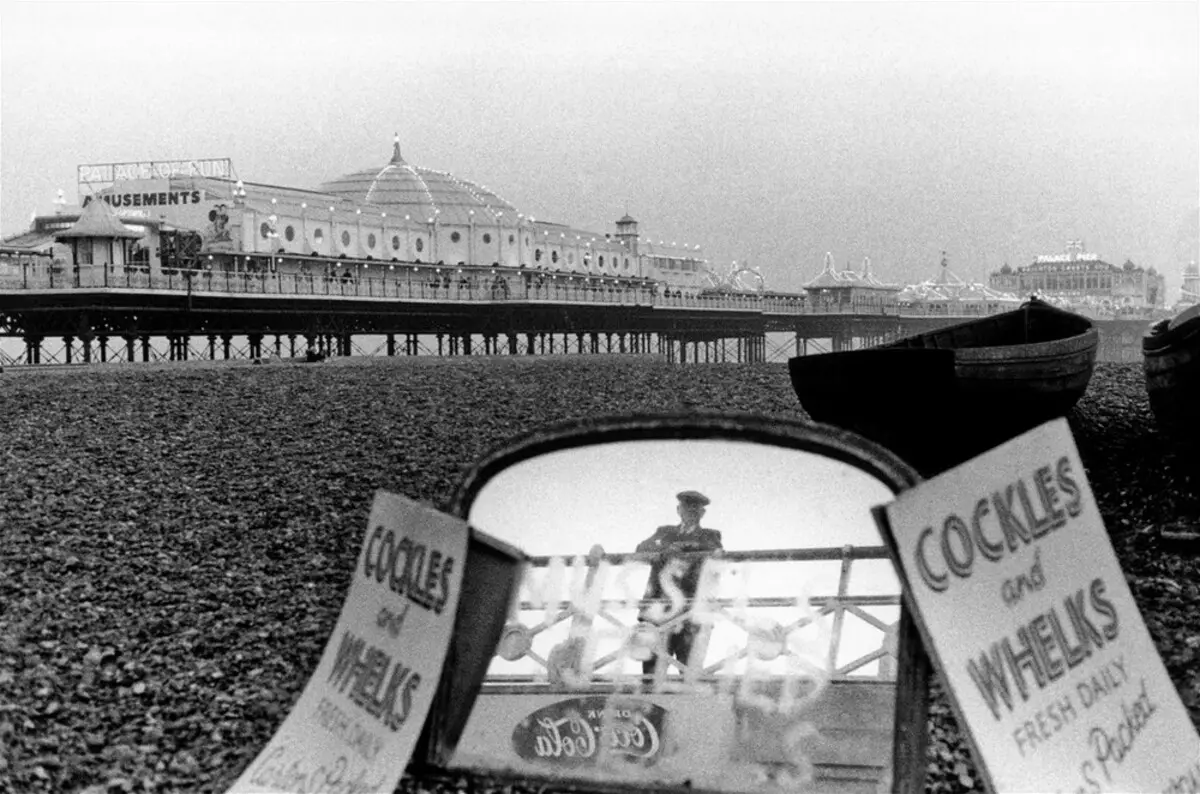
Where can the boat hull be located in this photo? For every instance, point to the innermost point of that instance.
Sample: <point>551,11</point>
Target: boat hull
<point>940,398</point>
<point>1172,368</point>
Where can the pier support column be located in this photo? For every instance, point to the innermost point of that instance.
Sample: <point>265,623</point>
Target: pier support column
<point>103,344</point>
<point>621,343</point>
<point>391,345</point>
<point>529,344</point>
<point>212,347</point>
<point>255,345</point>
<point>291,345</point>
<point>278,346</point>
<point>33,350</point>
<point>226,340</point>
<point>67,342</point>
<point>129,354</point>
<point>439,338</point>
<point>85,345</point>
<point>145,338</point>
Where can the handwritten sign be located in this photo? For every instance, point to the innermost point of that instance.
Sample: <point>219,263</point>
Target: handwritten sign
<point>355,726</point>
<point>1023,604</point>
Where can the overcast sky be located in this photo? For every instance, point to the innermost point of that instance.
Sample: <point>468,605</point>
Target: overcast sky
<point>768,133</point>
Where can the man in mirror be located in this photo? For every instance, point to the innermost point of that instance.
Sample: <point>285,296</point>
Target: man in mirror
<point>679,552</point>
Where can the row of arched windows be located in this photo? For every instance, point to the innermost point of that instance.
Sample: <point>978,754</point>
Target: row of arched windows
<point>318,235</point>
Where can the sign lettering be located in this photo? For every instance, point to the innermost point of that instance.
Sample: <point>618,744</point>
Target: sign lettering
<point>356,724</point>
<point>159,199</point>
<point>105,173</point>
<point>583,731</point>
<point>1023,604</point>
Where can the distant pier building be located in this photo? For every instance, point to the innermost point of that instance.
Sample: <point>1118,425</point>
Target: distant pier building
<point>1084,282</point>
<point>836,290</point>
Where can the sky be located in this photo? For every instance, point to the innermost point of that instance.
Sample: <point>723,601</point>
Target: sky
<point>768,133</point>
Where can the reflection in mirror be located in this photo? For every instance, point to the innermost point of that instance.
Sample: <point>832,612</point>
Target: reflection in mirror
<point>712,613</point>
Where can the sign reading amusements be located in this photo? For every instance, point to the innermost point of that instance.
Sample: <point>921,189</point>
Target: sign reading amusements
<point>356,724</point>
<point>1023,604</point>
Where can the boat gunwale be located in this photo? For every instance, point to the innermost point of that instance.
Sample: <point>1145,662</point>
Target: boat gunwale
<point>1081,343</point>
<point>1172,341</point>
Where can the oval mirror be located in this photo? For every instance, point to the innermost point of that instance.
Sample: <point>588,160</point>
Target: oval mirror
<point>707,604</point>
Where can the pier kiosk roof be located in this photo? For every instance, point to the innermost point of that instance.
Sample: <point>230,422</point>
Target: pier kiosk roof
<point>98,220</point>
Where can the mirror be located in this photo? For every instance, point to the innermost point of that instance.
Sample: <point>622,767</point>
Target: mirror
<point>706,604</point>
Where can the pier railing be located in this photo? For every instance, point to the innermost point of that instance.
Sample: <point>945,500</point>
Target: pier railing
<point>574,629</point>
<point>448,285</point>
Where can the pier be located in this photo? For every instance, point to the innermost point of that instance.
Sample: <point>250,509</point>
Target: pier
<point>96,315</point>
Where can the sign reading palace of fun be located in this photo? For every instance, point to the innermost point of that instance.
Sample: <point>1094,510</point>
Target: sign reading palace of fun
<point>1024,606</point>
<point>354,728</point>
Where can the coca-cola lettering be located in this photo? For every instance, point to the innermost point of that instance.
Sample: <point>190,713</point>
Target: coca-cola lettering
<point>579,731</point>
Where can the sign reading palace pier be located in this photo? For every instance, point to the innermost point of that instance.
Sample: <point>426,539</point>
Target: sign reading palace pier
<point>108,173</point>
<point>1023,602</point>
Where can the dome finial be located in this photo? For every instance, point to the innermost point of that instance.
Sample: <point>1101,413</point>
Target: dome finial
<point>396,158</point>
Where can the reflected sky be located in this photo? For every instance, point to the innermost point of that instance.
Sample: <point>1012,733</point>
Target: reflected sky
<point>617,494</point>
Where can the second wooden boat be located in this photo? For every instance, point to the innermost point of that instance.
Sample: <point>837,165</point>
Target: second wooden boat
<point>1172,364</point>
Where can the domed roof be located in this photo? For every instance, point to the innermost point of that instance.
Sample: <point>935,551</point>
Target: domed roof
<point>421,193</point>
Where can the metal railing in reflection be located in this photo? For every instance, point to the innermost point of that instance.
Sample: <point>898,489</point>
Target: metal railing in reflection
<point>595,633</point>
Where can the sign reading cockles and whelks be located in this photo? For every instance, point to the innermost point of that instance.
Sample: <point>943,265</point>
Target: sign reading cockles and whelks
<point>1024,608</point>
<point>358,720</point>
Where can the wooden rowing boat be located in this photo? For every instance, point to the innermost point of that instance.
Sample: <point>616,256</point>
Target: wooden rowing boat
<point>944,396</point>
<point>1172,363</point>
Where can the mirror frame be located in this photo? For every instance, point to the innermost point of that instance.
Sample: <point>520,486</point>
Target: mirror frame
<point>913,669</point>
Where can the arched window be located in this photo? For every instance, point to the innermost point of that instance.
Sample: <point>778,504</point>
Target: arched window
<point>420,244</point>
<point>345,238</point>
<point>371,241</point>
<point>554,256</point>
<point>455,237</point>
<point>395,242</point>
<point>537,255</point>
<point>487,238</point>
<point>289,233</point>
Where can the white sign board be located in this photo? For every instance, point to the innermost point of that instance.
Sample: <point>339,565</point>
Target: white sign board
<point>1024,607</point>
<point>355,725</point>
